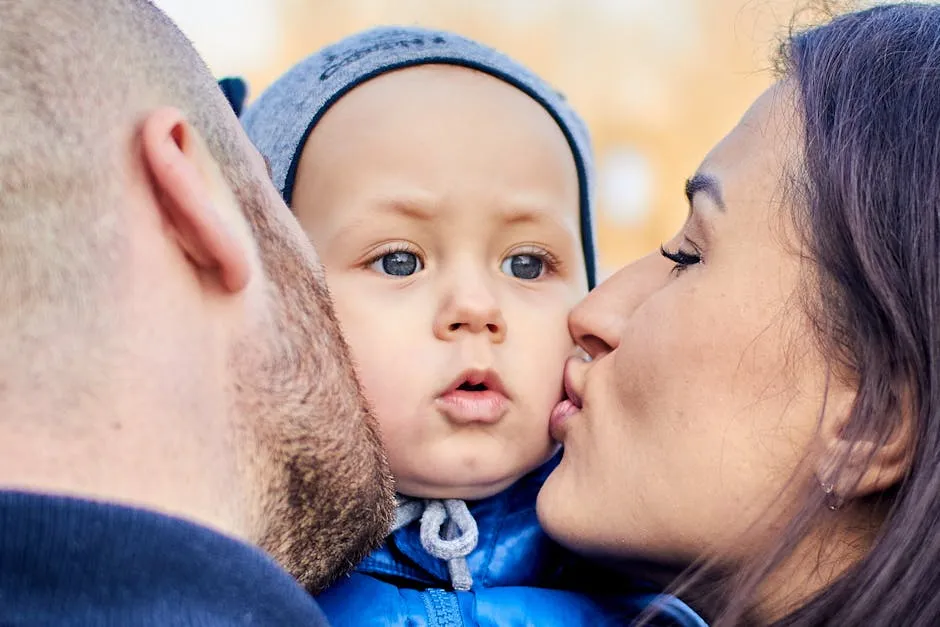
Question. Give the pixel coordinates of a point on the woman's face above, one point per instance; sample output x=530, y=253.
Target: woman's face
x=705, y=385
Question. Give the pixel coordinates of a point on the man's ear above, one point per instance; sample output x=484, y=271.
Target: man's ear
x=192, y=193
x=855, y=466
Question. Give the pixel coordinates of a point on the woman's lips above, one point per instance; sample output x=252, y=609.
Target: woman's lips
x=466, y=406
x=566, y=408
x=558, y=423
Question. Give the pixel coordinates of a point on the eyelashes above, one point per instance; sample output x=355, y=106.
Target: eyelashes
x=682, y=259
x=527, y=262
x=548, y=263
x=396, y=260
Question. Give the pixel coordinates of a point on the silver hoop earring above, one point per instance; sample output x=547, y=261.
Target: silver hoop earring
x=833, y=501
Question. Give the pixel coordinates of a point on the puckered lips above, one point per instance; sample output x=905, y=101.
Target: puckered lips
x=566, y=407
x=475, y=395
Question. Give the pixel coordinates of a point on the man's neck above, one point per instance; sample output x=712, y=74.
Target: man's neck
x=112, y=448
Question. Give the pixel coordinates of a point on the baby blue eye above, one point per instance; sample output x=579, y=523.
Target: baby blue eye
x=400, y=263
x=526, y=267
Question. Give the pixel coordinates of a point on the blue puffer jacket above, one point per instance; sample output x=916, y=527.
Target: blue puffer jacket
x=520, y=578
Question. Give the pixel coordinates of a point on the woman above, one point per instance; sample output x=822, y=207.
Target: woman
x=763, y=398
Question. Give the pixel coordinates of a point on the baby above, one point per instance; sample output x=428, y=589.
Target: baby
x=447, y=190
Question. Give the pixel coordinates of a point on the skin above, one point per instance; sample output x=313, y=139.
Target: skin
x=701, y=412
x=220, y=389
x=458, y=176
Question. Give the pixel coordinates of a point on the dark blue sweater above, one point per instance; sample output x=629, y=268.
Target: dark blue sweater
x=76, y=563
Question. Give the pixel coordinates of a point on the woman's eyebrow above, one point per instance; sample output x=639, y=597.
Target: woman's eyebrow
x=704, y=183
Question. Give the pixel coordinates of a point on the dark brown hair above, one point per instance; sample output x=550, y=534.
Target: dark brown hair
x=868, y=96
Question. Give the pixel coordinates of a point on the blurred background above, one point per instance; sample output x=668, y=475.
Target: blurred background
x=658, y=81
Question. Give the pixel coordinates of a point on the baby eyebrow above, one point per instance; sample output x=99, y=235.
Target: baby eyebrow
x=523, y=217
x=385, y=214
x=408, y=209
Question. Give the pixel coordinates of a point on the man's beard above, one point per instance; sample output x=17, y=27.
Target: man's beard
x=327, y=494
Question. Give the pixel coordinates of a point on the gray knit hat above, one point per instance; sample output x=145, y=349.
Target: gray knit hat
x=282, y=117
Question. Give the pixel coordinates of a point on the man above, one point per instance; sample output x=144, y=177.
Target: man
x=173, y=384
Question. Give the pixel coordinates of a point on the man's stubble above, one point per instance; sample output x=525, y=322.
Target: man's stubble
x=327, y=496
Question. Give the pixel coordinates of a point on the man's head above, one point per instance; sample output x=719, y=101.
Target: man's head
x=168, y=340
x=444, y=188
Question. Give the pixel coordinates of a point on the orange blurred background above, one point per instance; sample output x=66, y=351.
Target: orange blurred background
x=658, y=81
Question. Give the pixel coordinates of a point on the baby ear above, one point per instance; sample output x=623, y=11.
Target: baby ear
x=852, y=464
x=191, y=192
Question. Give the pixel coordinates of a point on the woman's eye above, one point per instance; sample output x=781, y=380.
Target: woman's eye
x=681, y=258
x=400, y=263
x=527, y=267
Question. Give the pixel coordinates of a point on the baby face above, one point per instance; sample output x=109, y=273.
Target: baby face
x=444, y=205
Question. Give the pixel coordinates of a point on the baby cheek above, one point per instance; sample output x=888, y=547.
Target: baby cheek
x=389, y=371
x=544, y=355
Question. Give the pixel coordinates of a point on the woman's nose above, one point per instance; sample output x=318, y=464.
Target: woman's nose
x=597, y=323
x=593, y=324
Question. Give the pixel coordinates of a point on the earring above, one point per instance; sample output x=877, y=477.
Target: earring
x=833, y=501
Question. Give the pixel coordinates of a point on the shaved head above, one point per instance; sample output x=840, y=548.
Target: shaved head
x=76, y=77
x=168, y=339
